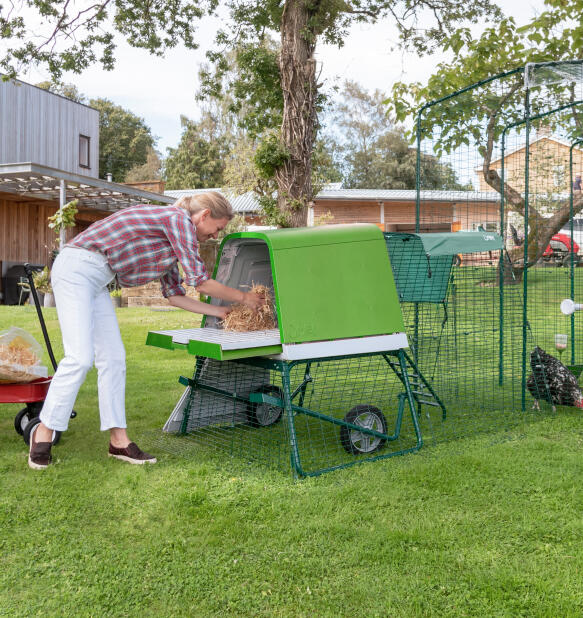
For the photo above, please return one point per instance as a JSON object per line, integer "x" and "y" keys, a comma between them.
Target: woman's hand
{"x": 223, "y": 312}
{"x": 253, "y": 301}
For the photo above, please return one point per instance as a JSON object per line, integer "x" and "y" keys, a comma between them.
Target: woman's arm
{"x": 213, "y": 288}
{"x": 196, "y": 306}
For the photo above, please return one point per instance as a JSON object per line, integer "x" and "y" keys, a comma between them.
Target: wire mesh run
{"x": 311, "y": 416}
{"x": 514, "y": 141}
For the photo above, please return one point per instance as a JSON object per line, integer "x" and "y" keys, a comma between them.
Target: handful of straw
{"x": 243, "y": 319}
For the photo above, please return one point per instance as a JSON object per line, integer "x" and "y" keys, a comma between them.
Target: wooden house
{"x": 549, "y": 168}
{"x": 49, "y": 155}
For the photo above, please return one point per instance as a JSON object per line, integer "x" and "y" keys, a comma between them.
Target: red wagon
{"x": 32, "y": 394}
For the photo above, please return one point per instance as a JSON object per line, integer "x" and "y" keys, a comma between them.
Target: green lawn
{"x": 487, "y": 526}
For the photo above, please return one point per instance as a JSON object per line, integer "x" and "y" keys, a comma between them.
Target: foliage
{"x": 477, "y": 117}
{"x": 270, "y": 155}
{"x": 42, "y": 280}
{"x": 246, "y": 81}
{"x": 124, "y": 139}
{"x": 198, "y": 161}
{"x": 376, "y": 153}
{"x": 64, "y": 218}
{"x": 69, "y": 91}
{"x": 115, "y": 293}
{"x": 150, "y": 170}
{"x": 71, "y": 39}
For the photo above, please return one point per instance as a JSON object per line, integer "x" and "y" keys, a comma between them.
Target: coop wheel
{"x": 265, "y": 414}
{"x": 356, "y": 442}
{"x": 31, "y": 426}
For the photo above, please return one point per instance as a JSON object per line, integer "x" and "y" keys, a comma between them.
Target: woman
{"x": 137, "y": 245}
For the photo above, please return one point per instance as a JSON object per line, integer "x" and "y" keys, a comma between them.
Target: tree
{"x": 74, "y": 37}
{"x": 376, "y": 153}
{"x": 199, "y": 159}
{"x": 69, "y": 91}
{"x": 150, "y": 170}
{"x": 480, "y": 121}
{"x": 124, "y": 139}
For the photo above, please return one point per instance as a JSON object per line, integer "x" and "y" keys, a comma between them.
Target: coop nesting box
{"x": 326, "y": 388}
{"x": 333, "y": 290}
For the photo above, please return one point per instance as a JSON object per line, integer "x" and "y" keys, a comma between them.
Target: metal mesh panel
{"x": 337, "y": 412}
{"x": 514, "y": 140}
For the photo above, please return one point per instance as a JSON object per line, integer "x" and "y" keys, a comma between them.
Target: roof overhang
{"x": 33, "y": 181}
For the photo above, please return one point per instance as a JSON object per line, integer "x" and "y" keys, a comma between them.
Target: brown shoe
{"x": 131, "y": 453}
{"x": 39, "y": 456}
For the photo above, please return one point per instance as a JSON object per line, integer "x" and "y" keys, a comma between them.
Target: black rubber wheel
{"x": 25, "y": 415}
{"x": 358, "y": 443}
{"x": 21, "y": 420}
{"x": 265, "y": 414}
{"x": 31, "y": 426}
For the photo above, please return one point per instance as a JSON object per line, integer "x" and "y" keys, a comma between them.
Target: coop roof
{"x": 331, "y": 282}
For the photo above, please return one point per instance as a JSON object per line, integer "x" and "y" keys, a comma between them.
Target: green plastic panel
{"x": 331, "y": 282}
{"x": 208, "y": 349}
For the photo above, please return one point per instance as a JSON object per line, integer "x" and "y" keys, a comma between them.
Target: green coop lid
{"x": 330, "y": 282}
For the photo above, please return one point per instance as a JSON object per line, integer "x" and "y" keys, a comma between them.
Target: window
{"x": 558, "y": 175}
{"x": 84, "y": 143}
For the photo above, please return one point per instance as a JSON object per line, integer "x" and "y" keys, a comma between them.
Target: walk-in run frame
{"x": 515, "y": 141}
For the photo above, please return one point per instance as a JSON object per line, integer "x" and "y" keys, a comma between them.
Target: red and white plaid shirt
{"x": 143, "y": 243}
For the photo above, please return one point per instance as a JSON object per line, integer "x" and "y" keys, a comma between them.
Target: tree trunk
{"x": 298, "y": 82}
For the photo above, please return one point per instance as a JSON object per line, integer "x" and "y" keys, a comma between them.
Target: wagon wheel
{"x": 31, "y": 426}
{"x": 265, "y": 414}
{"x": 356, "y": 442}
{"x": 25, "y": 415}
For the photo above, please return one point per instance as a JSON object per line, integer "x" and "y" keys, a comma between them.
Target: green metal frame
{"x": 525, "y": 325}
{"x": 415, "y": 395}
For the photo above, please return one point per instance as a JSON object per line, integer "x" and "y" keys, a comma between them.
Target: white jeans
{"x": 90, "y": 332}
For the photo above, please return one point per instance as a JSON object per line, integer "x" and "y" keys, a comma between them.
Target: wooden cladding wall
{"x": 24, "y": 232}
{"x": 37, "y": 126}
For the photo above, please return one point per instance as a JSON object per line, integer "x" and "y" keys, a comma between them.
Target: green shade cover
{"x": 452, "y": 243}
{"x": 422, "y": 263}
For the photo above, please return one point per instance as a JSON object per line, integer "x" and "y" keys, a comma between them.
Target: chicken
{"x": 551, "y": 381}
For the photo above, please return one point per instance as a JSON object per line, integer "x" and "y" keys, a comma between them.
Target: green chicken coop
{"x": 332, "y": 385}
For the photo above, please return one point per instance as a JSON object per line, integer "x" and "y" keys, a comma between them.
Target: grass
{"x": 490, "y": 526}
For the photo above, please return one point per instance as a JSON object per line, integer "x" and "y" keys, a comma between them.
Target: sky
{"x": 160, "y": 90}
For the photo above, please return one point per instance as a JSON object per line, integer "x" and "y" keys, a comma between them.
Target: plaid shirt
{"x": 143, "y": 243}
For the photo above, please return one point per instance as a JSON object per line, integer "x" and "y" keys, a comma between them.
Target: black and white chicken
{"x": 551, "y": 381}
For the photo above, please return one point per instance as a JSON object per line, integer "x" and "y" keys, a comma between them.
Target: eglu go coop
{"x": 333, "y": 384}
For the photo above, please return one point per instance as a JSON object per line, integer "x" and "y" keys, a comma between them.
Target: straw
{"x": 244, "y": 319}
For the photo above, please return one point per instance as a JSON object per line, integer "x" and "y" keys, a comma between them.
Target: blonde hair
{"x": 219, "y": 206}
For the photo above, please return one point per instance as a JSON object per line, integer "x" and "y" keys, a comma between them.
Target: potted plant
{"x": 60, "y": 222}
{"x": 42, "y": 283}
{"x": 116, "y": 297}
